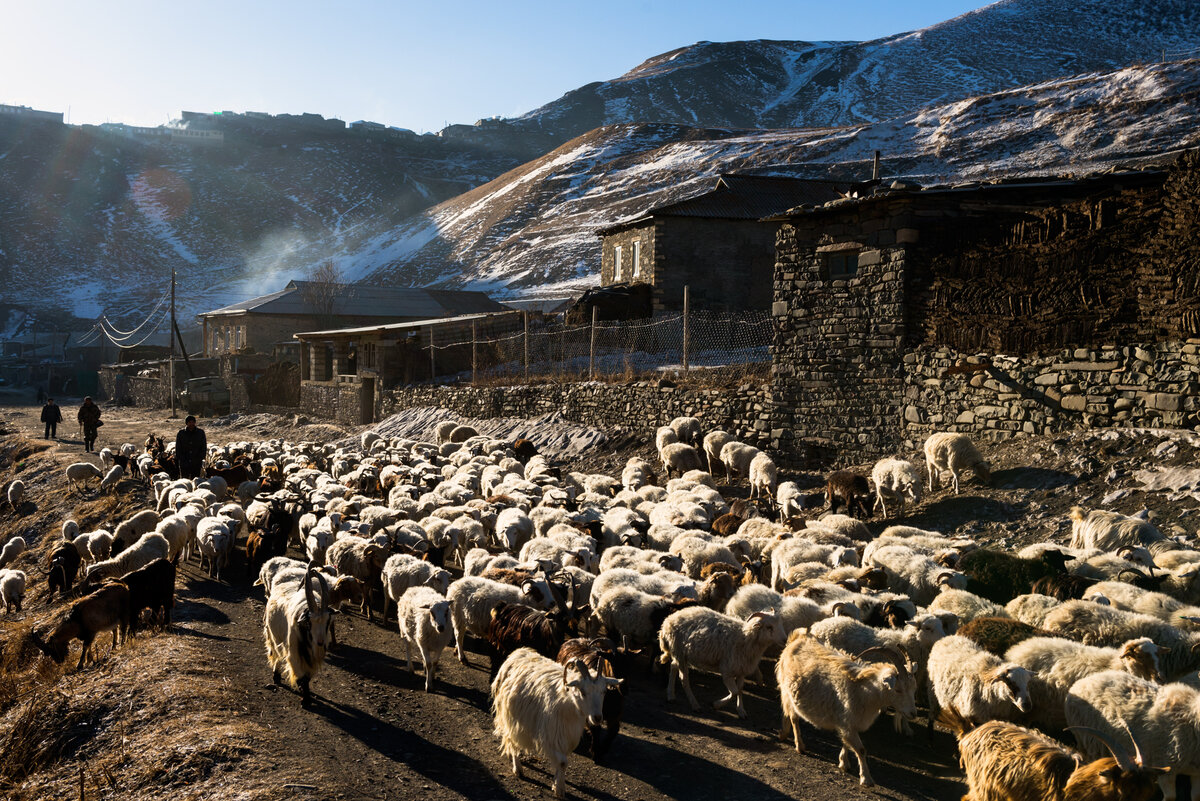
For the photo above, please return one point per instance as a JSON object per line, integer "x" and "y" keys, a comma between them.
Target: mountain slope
{"x": 532, "y": 230}
{"x": 778, "y": 84}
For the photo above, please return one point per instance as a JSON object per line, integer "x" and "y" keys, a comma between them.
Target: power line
{"x": 158, "y": 306}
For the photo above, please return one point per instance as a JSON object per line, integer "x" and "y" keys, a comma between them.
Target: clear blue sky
{"x": 415, "y": 65}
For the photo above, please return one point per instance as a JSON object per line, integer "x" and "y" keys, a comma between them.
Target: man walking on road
{"x": 191, "y": 446}
{"x": 89, "y": 418}
{"x": 51, "y": 416}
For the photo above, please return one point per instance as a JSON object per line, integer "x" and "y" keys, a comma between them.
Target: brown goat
{"x": 727, "y": 524}
{"x": 998, "y": 634}
{"x": 1006, "y": 762}
{"x": 106, "y": 609}
{"x": 850, "y": 489}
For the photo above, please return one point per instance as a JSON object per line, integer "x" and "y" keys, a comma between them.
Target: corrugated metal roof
{"x": 745, "y": 197}
{"x": 371, "y": 301}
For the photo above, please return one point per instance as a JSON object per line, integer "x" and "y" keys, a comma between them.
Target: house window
{"x": 636, "y": 258}
{"x": 841, "y": 264}
{"x": 617, "y": 267}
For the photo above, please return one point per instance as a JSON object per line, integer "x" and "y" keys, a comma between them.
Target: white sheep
{"x": 632, "y": 617}
{"x": 128, "y": 531}
{"x": 70, "y": 530}
{"x": 1108, "y": 531}
{"x": 737, "y": 456}
{"x": 80, "y": 472}
{"x": 789, "y": 499}
{"x": 112, "y": 478}
{"x": 837, "y": 692}
{"x": 664, "y": 436}
{"x": 151, "y": 546}
{"x": 634, "y": 558}
{"x": 697, "y": 552}
{"x": 513, "y": 529}
{"x": 664, "y": 583}
{"x": 679, "y": 457}
{"x": 471, "y": 601}
{"x": 637, "y": 473}
{"x": 687, "y": 429}
{"x": 16, "y": 493}
{"x": 915, "y": 574}
{"x": 1031, "y": 608}
{"x": 1097, "y": 624}
{"x": 93, "y": 546}
{"x": 1056, "y": 664}
{"x": 214, "y": 538}
{"x": 764, "y": 476}
{"x": 975, "y": 683}
{"x": 178, "y": 532}
{"x": 402, "y": 572}
{"x": 698, "y": 637}
{"x": 539, "y": 708}
{"x": 424, "y": 619}
{"x": 966, "y": 606}
{"x": 953, "y": 452}
{"x": 12, "y": 549}
{"x": 897, "y": 480}
{"x": 12, "y": 589}
{"x": 714, "y": 441}
{"x": 795, "y": 612}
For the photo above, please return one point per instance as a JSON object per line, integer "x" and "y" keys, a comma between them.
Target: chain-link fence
{"x": 723, "y": 346}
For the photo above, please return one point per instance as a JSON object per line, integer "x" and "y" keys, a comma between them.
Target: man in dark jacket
{"x": 191, "y": 446}
{"x": 51, "y": 416}
{"x": 89, "y": 418}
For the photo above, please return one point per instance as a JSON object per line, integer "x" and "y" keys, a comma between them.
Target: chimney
{"x": 875, "y": 167}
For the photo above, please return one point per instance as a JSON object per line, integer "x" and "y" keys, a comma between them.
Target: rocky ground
{"x": 192, "y": 714}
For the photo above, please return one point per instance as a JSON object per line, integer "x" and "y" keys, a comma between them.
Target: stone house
{"x": 1019, "y": 306}
{"x": 716, "y": 243}
{"x": 259, "y": 324}
{"x": 344, "y": 372}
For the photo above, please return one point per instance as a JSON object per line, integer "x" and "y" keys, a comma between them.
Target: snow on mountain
{"x": 533, "y": 229}
{"x": 780, "y": 84}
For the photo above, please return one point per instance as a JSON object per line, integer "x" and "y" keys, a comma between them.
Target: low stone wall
{"x": 623, "y": 408}
{"x": 998, "y": 396}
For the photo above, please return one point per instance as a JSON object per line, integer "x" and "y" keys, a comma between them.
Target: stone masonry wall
{"x": 999, "y": 396}
{"x": 637, "y": 408}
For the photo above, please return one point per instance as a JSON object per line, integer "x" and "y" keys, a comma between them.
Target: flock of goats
{"x": 572, "y": 578}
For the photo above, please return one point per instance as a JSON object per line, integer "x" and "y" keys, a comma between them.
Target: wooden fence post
{"x": 526, "y": 347}
{"x": 474, "y": 351}
{"x": 685, "y": 328}
{"x": 592, "y": 350}
{"x": 432, "y": 361}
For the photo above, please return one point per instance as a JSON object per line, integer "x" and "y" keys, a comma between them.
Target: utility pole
{"x": 170, "y": 335}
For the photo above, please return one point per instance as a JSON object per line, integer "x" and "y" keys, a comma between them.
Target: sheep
{"x": 106, "y": 609}
{"x": 1132, "y": 598}
{"x": 441, "y": 432}
{"x": 274, "y": 567}
{"x": 472, "y": 600}
{"x": 424, "y": 620}
{"x": 1000, "y": 576}
{"x": 127, "y": 532}
{"x": 178, "y": 533}
{"x": 16, "y": 494}
{"x": 1056, "y": 664}
{"x": 402, "y": 571}
{"x": 363, "y": 559}
{"x": 63, "y": 568}
{"x": 764, "y": 476}
{"x": 687, "y": 429}
{"x": 111, "y": 479}
{"x": 1107, "y": 531}
{"x": 916, "y": 575}
{"x": 953, "y": 452}
{"x": 150, "y": 547}
{"x": 80, "y": 472}
{"x": 538, "y": 708}
{"x": 966, "y": 606}
{"x": 679, "y": 458}
{"x": 849, "y": 489}
{"x": 11, "y": 550}
{"x": 795, "y": 612}
{"x": 214, "y": 537}
{"x": 462, "y": 433}
{"x": 630, "y": 556}
{"x": 976, "y": 684}
{"x": 632, "y": 617}
{"x": 897, "y": 480}
{"x": 1095, "y": 624}
{"x": 838, "y": 692}
{"x": 637, "y": 473}
{"x": 1031, "y": 608}
{"x": 12, "y": 589}
{"x": 93, "y": 546}
{"x": 697, "y": 552}
{"x": 296, "y": 634}
{"x": 513, "y": 529}
{"x": 151, "y": 587}
{"x": 714, "y": 441}
{"x": 1161, "y": 719}
{"x": 664, "y": 436}
{"x": 698, "y": 637}
{"x": 1006, "y": 762}
{"x": 789, "y": 499}
{"x": 737, "y": 456}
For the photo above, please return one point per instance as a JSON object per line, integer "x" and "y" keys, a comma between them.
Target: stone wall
{"x": 637, "y": 408}
{"x": 726, "y": 264}
{"x": 643, "y": 234}
{"x": 996, "y": 397}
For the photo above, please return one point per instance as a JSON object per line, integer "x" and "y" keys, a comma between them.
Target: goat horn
{"x": 1124, "y": 549}
{"x": 890, "y": 653}
{"x": 1135, "y": 572}
{"x": 308, "y": 591}
{"x": 1116, "y": 749}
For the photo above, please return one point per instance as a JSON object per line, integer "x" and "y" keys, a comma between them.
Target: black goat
{"x": 1000, "y": 577}
{"x": 152, "y": 587}
{"x": 598, "y": 654}
{"x": 63, "y": 567}
{"x": 516, "y": 626}
{"x": 998, "y": 634}
{"x": 1064, "y": 586}
{"x": 851, "y": 489}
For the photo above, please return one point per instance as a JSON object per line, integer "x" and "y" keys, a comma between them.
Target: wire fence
{"x": 723, "y": 346}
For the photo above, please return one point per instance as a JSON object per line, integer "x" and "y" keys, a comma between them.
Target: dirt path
{"x": 374, "y": 733}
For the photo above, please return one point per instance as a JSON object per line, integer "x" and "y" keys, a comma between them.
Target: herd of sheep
{"x": 569, "y": 580}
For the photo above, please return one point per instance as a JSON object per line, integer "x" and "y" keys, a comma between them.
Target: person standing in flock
{"x": 191, "y": 446}
{"x": 89, "y": 418}
{"x": 51, "y": 416}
